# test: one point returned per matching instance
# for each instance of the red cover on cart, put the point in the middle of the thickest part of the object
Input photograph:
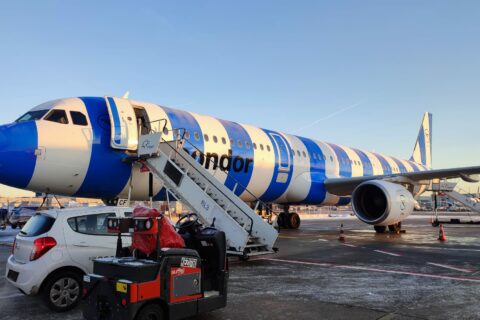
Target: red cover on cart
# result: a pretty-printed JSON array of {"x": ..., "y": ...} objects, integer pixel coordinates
[{"x": 146, "y": 241}]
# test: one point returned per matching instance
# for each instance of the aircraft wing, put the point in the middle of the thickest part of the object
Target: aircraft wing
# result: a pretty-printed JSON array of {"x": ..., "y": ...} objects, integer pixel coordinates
[{"x": 345, "y": 186}]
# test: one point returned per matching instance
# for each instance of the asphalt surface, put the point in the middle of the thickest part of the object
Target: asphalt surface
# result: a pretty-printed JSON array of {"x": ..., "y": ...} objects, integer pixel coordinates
[{"x": 315, "y": 276}]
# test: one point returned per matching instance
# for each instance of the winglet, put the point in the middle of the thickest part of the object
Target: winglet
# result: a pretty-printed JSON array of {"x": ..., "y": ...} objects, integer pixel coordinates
[
  {"x": 422, "y": 153},
  {"x": 125, "y": 96}
]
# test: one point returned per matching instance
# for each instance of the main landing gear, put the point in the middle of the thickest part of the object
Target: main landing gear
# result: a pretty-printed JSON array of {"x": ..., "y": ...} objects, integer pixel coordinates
[
  {"x": 393, "y": 228},
  {"x": 288, "y": 220}
]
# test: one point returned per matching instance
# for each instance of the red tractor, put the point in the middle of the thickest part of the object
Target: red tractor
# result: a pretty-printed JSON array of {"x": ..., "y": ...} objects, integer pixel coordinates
[{"x": 163, "y": 275}]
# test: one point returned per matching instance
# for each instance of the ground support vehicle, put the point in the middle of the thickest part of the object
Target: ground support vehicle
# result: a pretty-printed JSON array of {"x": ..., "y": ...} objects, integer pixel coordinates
[{"x": 158, "y": 282}]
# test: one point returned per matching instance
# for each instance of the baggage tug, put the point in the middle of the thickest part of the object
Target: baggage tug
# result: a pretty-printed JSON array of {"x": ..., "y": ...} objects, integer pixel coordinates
[{"x": 163, "y": 275}]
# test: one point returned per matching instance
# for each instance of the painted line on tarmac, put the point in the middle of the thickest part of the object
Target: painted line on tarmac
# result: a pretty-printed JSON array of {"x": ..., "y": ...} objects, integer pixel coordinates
[
  {"x": 15, "y": 295},
  {"x": 389, "y": 253},
  {"x": 442, "y": 248},
  {"x": 359, "y": 268},
  {"x": 350, "y": 245},
  {"x": 450, "y": 267}
]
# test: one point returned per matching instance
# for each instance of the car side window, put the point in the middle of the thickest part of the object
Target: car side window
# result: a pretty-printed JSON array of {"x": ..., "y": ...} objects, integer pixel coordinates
[
  {"x": 78, "y": 118},
  {"x": 59, "y": 116},
  {"x": 95, "y": 224}
]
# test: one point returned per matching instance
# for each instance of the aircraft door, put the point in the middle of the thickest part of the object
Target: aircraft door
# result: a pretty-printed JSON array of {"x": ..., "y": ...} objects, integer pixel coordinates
[
  {"x": 284, "y": 163},
  {"x": 124, "y": 134}
]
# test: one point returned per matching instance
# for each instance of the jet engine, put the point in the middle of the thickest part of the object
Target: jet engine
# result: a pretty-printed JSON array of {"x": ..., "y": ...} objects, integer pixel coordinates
[{"x": 382, "y": 203}]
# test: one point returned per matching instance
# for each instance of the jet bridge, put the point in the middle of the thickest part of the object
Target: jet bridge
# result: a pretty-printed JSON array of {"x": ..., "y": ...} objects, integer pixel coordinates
[{"x": 246, "y": 232}]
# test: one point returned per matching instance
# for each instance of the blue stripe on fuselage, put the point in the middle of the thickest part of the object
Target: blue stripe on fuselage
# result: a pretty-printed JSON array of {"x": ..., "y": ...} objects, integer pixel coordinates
[
  {"x": 366, "y": 163},
  {"x": 385, "y": 166},
  {"x": 400, "y": 165},
  {"x": 246, "y": 155},
  {"x": 18, "y": 142},
  {"x": 343, "y": 161},
  {"x": 317, "y": 192},
  {"x": 107, "y": 175},
  {"x": 183, "y": 120},
  {"x": 277, "y": 189}
]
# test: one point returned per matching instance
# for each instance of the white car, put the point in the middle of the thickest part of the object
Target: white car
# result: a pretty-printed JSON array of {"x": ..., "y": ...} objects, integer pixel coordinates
[{"x": 56, "y": 248}]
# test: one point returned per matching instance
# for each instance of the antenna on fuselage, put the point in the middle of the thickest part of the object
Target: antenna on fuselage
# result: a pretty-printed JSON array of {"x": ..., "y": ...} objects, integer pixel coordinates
[{"x": 125, "y": 96}]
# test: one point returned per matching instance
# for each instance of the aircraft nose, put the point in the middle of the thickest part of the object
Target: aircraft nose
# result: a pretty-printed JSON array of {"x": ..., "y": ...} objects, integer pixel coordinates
[{"x": 18, "y": 142}]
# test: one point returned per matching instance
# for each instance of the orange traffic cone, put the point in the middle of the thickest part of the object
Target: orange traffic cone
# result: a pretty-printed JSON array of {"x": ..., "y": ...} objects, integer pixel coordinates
[
  {"x": 441, "y": 234},
  {"x": 342, "y": 234}
]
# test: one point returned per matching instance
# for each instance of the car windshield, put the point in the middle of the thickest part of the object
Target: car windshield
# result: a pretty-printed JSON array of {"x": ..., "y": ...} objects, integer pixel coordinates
[
  {"x": 32, "y": 115},
  {"x": 37, "y": 225}
]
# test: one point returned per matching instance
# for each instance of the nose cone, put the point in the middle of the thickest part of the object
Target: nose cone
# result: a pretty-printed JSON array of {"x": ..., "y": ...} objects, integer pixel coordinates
[{"x": 18, "y": 142}]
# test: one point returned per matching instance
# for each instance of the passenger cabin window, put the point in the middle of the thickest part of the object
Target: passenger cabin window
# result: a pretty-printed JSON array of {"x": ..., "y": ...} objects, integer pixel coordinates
[
  {"x": 224, "y": 141},
  {"x": 247, "y": 145},
  {"x": 95, "y": 224},
  {"x": 215, "y": 139},
  {"x": 261, "y": 146},
  {"x": 187, "y": 135},
  {"x": 78, "y": 118},
  {"x": 59, "y": 116},
  {"x": 239, "y": 143},
  {"x": 304, "y": 154},
  {"x": 196, "y": 135},
  {"x": 254, "y": 146},
  {"x": 268, "y": 148},
  {"x": 205, "y": 136}
]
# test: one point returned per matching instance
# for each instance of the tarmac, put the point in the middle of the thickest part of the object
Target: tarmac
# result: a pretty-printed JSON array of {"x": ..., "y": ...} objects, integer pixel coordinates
[{"x": 316, "y": 276}]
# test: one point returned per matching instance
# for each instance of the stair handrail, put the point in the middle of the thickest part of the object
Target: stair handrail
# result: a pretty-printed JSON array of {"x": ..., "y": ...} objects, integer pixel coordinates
[{"x": 182, "y": 137}]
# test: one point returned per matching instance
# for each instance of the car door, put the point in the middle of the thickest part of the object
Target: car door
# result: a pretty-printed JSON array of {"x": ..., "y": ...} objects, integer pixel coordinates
[{"x": 87, "y": 237}]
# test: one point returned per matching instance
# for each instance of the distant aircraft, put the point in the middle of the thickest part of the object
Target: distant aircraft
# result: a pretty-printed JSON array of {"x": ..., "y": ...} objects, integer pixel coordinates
[{"x": 77, "y": 147}]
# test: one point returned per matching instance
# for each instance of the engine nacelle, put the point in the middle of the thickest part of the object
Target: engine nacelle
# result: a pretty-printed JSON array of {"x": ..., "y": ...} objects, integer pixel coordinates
[{"x": 382, "y": 203}]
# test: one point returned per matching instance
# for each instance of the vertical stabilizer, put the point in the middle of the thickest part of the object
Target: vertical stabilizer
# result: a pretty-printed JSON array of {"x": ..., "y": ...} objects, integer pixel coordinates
[{"x": 422, "y": 153}]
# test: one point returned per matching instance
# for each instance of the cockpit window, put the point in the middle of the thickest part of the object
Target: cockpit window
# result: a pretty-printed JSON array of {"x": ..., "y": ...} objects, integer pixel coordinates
[
  {"x": 78, "y": 118},
  {"x": 32, "y": 115},
  {"x": 59, "y": 116}
]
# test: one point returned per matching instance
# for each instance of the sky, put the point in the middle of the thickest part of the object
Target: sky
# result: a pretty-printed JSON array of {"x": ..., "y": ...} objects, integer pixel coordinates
[{"x": 357, "y": 73}]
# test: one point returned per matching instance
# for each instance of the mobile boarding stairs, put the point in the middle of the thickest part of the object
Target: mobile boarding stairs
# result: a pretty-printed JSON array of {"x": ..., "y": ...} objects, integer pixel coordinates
[{"x": 216, "y": 205}]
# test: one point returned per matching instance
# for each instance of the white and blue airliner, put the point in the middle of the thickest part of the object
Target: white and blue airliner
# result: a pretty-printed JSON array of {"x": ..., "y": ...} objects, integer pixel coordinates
[{"x": 77, "y": 147}]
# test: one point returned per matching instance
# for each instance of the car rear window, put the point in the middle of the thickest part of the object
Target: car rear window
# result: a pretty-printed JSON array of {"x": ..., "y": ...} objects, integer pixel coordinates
[{"x": 37, "y": 225}]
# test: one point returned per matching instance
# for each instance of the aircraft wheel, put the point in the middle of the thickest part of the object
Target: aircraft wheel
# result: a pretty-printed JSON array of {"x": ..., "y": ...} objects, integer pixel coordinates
[
  {"x": 294, "y": 220},
  {"x": 282, "y": 220},
  {"x": 380, "y": 229},
  {"x": 14, "y": 226},
  {"x": 397, "y": 227},
  {"x": 150, "y": 312}
]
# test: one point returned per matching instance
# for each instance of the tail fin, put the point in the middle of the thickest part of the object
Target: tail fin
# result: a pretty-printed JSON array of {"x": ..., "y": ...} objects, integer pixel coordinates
[{"x": 422, "y": 153}]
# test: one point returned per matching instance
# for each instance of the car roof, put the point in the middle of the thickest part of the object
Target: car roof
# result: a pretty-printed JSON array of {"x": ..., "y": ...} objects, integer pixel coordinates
[{"x": 74, "y": 211}]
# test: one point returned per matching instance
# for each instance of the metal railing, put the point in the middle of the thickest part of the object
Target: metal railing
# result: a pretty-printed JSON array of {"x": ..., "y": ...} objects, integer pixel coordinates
[{"x": 181, "y": 139}]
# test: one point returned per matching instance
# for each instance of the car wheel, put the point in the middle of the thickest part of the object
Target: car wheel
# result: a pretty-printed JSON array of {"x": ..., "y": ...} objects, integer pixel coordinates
[
  {"x": 63, "y": 291},
  {"x": 14, "y": 226},
  {"x": 150, "y": 312}
]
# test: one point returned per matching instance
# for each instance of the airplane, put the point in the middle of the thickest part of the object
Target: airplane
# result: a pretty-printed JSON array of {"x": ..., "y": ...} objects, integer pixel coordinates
[{"x": 79, "y": 147}]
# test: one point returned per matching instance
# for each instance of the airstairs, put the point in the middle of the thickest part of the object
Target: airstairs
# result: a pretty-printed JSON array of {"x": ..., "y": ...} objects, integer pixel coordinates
[
  {"x": 464, "y": 199},
  {"x": 189, "y": 182},
  {"x": 448, "y": 188}
]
